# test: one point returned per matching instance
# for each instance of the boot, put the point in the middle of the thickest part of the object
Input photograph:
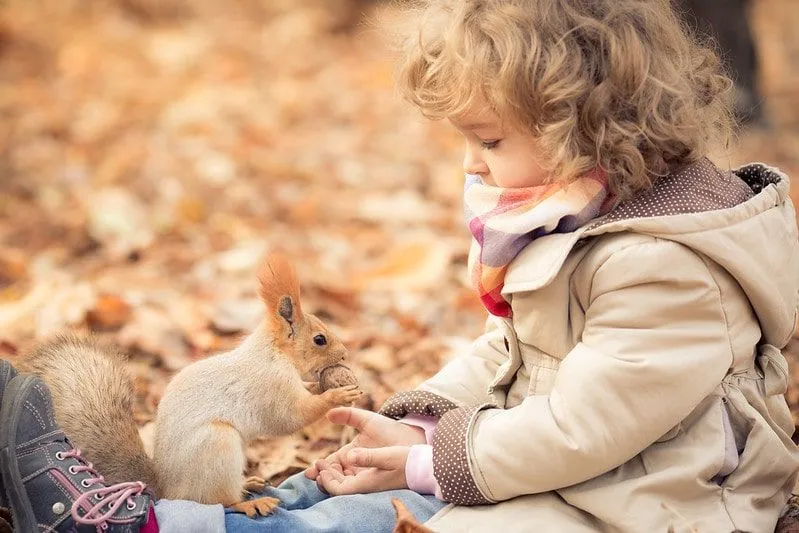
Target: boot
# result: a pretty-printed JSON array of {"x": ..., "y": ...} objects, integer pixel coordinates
[{"x": 48, "y": 485}]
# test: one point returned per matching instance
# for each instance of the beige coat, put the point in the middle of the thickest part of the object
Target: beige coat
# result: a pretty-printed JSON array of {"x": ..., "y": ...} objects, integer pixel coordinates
[{"x": 639, "y": 385}]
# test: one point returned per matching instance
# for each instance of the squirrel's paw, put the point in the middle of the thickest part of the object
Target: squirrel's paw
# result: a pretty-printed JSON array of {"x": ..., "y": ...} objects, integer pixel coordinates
[
  {"x": 312, "y": 387},
  {"x": 259, "y": 506},
  {"x": 254, "y": 484},
  {"x": 344, "y": 395}
]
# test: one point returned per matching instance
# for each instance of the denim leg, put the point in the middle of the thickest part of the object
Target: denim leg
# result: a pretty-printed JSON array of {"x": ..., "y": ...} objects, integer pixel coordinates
[{"x": 304, "y": 508}]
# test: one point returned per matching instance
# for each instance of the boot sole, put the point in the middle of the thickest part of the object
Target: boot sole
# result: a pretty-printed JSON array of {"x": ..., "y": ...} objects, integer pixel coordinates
[
  {"x": 21, "y": 510},
  {"x": 12, "y": 373}
]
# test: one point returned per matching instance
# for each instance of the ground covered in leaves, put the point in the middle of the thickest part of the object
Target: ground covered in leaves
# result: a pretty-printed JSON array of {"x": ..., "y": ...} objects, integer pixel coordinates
[{"x": 152, "y": 151}]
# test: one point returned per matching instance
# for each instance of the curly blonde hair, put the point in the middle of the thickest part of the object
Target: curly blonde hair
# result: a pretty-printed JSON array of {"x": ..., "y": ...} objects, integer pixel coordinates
[{"x": 619, "y": 84}]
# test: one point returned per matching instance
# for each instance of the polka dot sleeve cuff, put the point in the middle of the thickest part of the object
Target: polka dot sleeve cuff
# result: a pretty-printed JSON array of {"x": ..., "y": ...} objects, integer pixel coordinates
[
  {"x": 416, "y": 402},
  {"x": 451, "y": 457}
]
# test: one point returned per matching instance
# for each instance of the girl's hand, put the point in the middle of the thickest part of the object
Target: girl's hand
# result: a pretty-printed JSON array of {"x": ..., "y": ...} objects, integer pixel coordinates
[
  {"x": 372, "y": 470},
  {"x": 375, "y": 431}
]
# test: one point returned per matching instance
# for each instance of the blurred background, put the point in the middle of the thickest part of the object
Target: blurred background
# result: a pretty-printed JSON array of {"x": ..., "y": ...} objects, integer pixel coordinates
[{"x": 152, "y": 150}]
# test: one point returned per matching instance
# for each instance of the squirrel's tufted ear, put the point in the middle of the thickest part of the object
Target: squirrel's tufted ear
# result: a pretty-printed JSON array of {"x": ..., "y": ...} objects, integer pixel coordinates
[{"x": 280, "y": 291}]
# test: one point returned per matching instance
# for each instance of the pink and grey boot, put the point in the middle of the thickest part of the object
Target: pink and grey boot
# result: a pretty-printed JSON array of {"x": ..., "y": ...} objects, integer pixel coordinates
[{"x": 48, "y": 485}]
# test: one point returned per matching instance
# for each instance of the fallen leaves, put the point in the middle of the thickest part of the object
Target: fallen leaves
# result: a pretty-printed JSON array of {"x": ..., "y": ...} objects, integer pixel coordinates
[
  {"x": 152, "y": 151},
  {"x": 271, "y": 457}
]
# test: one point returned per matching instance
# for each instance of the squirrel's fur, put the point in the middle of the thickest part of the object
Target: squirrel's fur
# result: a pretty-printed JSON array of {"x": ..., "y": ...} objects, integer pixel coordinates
[
  {"x": 93, "y": 402},
  {"x": 209, "y": 410}
]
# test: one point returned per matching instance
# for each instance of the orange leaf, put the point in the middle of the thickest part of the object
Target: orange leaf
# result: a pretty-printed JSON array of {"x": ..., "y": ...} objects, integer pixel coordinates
[
  {"x": 406, "y": 522},
  {"x": 110, "y": 312}
]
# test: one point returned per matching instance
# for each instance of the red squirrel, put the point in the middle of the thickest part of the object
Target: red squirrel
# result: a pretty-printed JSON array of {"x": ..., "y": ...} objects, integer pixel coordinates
[{"x": 209, "y": 410}]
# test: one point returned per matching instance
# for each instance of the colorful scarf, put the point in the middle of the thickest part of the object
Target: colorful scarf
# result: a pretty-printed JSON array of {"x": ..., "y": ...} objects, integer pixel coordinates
[{"x": 504, "y": 221}]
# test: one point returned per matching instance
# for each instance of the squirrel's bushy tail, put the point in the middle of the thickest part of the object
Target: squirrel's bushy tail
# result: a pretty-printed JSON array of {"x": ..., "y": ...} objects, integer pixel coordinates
[{"x": 93, "y": 401}]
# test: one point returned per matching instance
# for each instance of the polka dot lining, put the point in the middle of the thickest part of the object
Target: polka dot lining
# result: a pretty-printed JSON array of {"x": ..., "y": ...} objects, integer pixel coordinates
[
  {"x": 451, "y": 460},
  {"x": 697, "y": 188},
  {"x": 758, "y": 176},
  {"x": 416, "y": 402}
]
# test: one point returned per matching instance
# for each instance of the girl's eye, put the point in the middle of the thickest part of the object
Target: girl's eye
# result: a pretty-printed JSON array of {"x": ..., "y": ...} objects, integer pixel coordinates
[
  {"x": 489, "y": 145},
  {"x": 320, "y": 340}
]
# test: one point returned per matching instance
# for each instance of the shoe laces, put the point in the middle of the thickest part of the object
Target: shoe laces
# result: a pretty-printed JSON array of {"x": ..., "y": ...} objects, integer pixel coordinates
[{"x": 112, "y": 496}]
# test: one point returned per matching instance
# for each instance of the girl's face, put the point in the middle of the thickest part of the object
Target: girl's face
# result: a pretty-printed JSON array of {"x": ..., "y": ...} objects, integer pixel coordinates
[{"x": 501, "y": 156}]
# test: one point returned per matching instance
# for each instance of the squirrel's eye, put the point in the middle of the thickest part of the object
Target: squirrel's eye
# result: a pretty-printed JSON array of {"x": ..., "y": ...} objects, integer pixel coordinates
[{"x": 320, "y": 340}]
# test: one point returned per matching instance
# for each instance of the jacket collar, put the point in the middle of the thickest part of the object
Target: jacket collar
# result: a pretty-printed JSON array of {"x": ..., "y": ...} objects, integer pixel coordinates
[{"x": 694, "y": 198}]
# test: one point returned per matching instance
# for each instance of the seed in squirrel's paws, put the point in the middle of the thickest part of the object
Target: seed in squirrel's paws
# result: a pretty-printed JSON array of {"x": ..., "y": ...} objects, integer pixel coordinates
[{"x": 336, "y": 376}]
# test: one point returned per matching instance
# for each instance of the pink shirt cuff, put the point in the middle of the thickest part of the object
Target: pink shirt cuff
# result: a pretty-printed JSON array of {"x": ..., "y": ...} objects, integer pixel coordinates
[
  {"x": 427, "y": 423},
  {"x": 419, "y": 471}
]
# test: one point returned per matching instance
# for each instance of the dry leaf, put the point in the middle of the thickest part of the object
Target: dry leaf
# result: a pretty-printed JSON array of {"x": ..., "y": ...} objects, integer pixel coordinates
[
  {"x": 6, "y": 520},
  {"x": 13, "y": 266},
  {"x": 151, "y": 331},
  {"x": 274, "y": 456},
  {"x": 232, "y": 316},
  {"x": 413, "y": 265},
  {"x": 406, "y": 522},
  {"x": 380, "y": 358},
  {"x": 109, "y": 312},
  {"x": 119, "y": 221},
  {"x": 66, "y": 306}
]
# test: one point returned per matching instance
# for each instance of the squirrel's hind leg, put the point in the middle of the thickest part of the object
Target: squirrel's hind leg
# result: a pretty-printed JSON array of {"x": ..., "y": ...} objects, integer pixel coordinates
[
  {"x": 227, "y": 461},
  {"x": 213, "y": 463},
  {"x": 262, "y": 506}
]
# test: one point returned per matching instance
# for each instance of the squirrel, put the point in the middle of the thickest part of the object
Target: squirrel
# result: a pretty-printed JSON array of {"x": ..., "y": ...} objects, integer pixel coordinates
[{"x": 209, "y": 410}]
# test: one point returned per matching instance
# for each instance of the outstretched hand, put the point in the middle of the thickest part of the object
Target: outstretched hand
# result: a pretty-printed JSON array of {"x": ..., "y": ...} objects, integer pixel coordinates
[
  {"x": 366, "y": 470},
  {"x": 374, "y": 431}
]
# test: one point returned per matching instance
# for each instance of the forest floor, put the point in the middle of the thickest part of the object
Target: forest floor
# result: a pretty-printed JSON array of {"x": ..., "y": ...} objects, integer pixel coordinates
[{"x": 149, "y": 156}]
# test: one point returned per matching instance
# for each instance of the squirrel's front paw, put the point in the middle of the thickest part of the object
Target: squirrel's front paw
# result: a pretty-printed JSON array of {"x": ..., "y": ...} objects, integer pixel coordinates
[
  {"x": 312, "y": 387},
  {"x": 343, "y": 395}
]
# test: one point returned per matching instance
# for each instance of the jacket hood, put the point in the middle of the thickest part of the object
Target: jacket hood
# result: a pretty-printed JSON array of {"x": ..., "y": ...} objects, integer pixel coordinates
[{"x": 741, "y": 219}]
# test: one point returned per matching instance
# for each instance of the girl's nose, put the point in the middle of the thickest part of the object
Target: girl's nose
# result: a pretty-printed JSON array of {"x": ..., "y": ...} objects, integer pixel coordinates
[{"x": 472, "y": 162}]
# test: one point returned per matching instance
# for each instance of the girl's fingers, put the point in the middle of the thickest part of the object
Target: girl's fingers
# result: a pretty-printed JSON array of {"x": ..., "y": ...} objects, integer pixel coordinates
[
  {"x": 320, "y": 485},
  {"x": 313, "y": 471},
  {"x": 390, "y": 458},
  {"x": 318, "y": 466},
  {"x": 354, "y": 417},
  {"x": 336, "y": 483},
  {"x": 324, "y": 482},
  {"x": 330, "y": 479}
]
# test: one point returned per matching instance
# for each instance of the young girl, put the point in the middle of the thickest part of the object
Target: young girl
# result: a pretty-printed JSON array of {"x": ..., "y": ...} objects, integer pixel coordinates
[{"x": 630, "y": 377}]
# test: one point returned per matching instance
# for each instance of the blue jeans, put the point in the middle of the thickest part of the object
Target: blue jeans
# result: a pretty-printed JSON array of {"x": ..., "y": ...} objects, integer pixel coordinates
[{"x": 304, "y": 508}]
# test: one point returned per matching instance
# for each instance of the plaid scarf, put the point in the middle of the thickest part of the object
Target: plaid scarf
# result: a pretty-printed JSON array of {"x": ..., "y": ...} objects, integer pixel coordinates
[{"x": 504, "y": 221}]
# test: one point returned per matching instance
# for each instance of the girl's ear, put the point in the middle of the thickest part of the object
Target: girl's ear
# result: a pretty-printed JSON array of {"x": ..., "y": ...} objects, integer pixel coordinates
[{"x": 280, "y": 291}]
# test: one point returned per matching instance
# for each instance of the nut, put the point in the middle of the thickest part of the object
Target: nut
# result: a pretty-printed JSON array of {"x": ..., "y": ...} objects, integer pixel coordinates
[{"x": 335, "y": 376}]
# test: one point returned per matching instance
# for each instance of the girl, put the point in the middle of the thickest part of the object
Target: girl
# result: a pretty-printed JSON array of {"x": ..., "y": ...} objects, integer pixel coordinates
[{"x": 630, "y": 377}]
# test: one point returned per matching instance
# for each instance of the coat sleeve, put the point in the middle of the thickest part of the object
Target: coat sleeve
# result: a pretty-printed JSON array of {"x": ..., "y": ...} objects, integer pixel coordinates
[
  {"x": 655, "y": 343},
  {"x": 463, "y": 382}
]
